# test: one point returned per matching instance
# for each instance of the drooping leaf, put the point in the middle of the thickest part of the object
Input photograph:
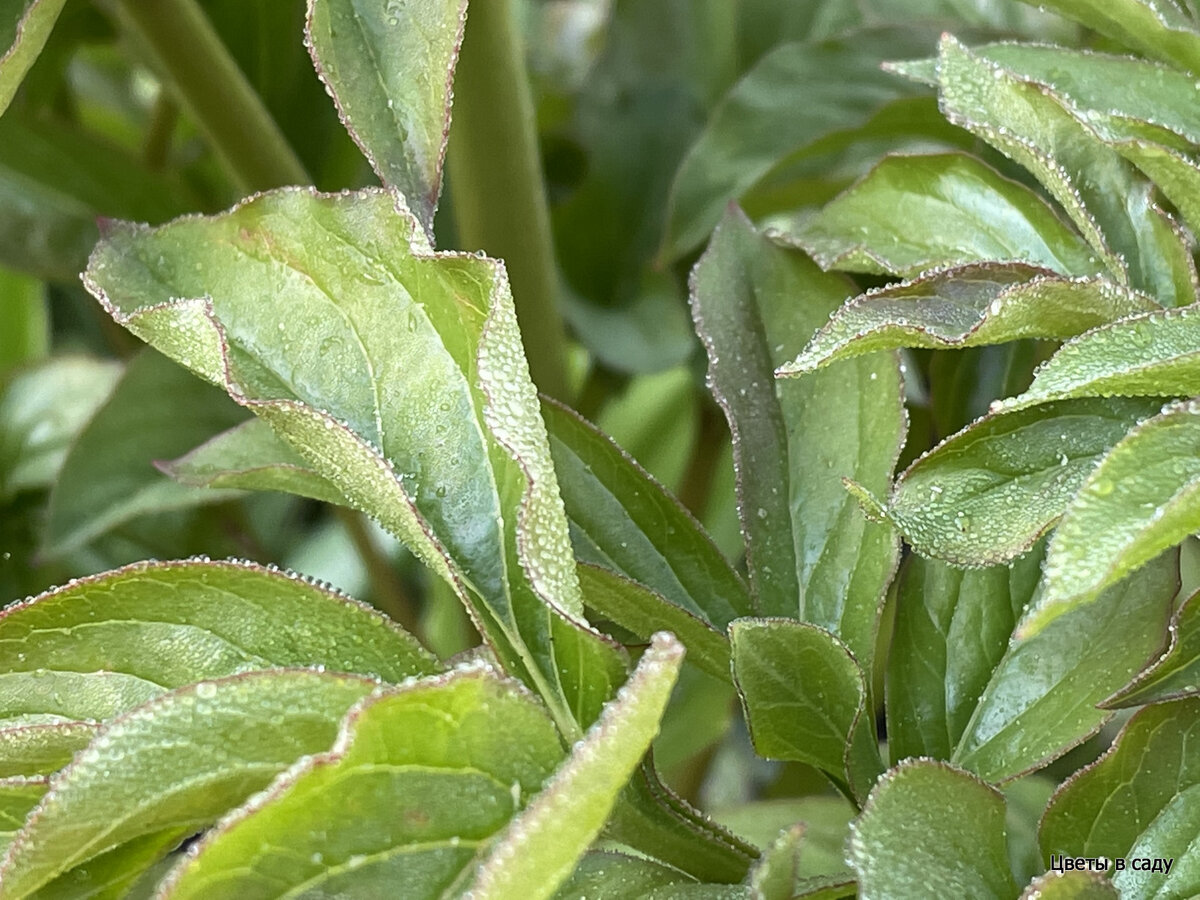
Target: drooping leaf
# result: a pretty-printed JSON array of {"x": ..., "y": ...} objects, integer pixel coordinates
[
  {"x": 1042, "y": 698},
  {"x": 420, "y": 779},
  {"x": 910, "y": 214},
  {"x": 42, "y": 409},
  {"x": 624, "y": 520},
  {"x": 931, "y": 830},
  {"x": 156, "y": 411},
  {"x": 758, "y": 123},
  {"x": 1109, "y": 201},
  {"x": 988, "y": 493},
  {"x": 390, "y": 68},
  {"x": 114, "y": 640},
  {"x": 952, "y": 629},
  {"x": 1172, "y": 836},
  {"x": 1158, "y": 28},
  {"x": 1075, "y": 885},
  {"x": 398, "y": 373},
  {"x": 1104, "y": 808},
  {"x": 967, "y": 307},
  {"x": 1143, "y": 497},
  {"x": 539, "y": 848},
  {"x": 179, "y": 762},
  {"x": 24, "y": 27},
  {"x": 804, "y": 697},
  {"x": 810, "y": 553},
  {"x": 1176, "y": 673},
  {"x": 1148, "y": 355}
]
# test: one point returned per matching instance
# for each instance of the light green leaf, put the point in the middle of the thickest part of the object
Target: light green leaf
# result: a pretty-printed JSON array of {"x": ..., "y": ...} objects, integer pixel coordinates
[
  {"x": 1176, "y": 673},
  {"x": 1154, "y": 354},
  {"x": 1107, "y": 806},
  {"x": 390, "y": 69},
  {"x": 539, "y": 848},
  {"x": 156, "y": 411},
  {"x": 252, "y": 457},
  {"x": 642, "y": 612},
  {"x": 952, "y": 629},
  {"x": 967, "y": 307},
  {"x": 1174, "y": 835},
  {"x": 179, "y": 762},
  {"x": 1042, "y": 698},
  {"x": 1157, "y": 28},
  {"x": 626, "y": 521},
  {"x": 914, "y": 213},
  {"x": 758, "y": 123},
  {"x": 826, "y": 820},
  {"x": 986, "y": 494},
  {"x": 929, "y": 830},
  {"x": 779, "y": 874},
  {"x": 24, "y": 27},
  {"x": 1143, "y": 497},
  {"x": 24, "y": 308},
  {"x": 17, "y": 797},
  {"x": 398, "y": 373},
  {"x": 420, "y": 779},
  {"x": 605, "y": 875},
  {"x": 1109, "y": 201},
  {"x": 33, "y": 750},
  {"x": 804, "y": 697},
  {"x": 811, "y": 555},
  {"x": 113, "y": 640},
  {"x": 1077, "y": 885},
  {"x": 42, "y": 409}
]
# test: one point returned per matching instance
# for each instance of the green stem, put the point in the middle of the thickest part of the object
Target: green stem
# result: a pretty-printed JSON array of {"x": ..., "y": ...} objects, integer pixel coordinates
[
  {"x": 187, "y": 51},
  {"x": 495, "y": 182}
]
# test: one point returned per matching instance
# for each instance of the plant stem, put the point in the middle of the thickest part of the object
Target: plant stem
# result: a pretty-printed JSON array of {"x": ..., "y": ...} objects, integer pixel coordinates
[
  {"x": 187, "y": 51},
  {"x": 496, "y": 186}
]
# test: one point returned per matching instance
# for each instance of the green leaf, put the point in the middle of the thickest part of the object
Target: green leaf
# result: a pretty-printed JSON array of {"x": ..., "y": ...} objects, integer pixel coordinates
[
  {"x": 1109, "y": 201},
  {"x": 929, "y": 830},
  {"x": 1154, "y": 354},
  {"x": 986, "y": 494},
  {"x": 1176, "y": 673},
  {"x": 1077, "y": 885},
  {"x": 1157, "y": 28},
  {"x": 952, "y": 629},
  {"x": 615, "y": 876},
  {"x": 157, "y": 410},
  {"x": 539, "y": 848},
  {"x": 810, "y": 553},
  {"x": 1173, "y": 836},
  {"x": 113, "y": 640},
  {"x": 420, "y": 779},
  {"x": 1042, "y": 698},
  {"x": 42, "y": 409},
  {"x": 642, "y": 612},
  {"x": 779, "y": 874},
  {"x": 967, "y": 307},
  {"x": 24, "y": 27},
  {"x": 180, "y": 762},
  {"x": 626, "y": 521},
  {"x": 826, "y": 820},
  {"x": 1142, "y": 498},
  {"x": 398, "y": 373},
  {"x": 17, "y": 797},
  {"x": 389, "y": 69},
  {"x": 33, "y": 750},
  {"x": 1108, "y": 805},
  {"x": 804, "y": 697},
  {"x": 24, "y": 308},
  {"x": 758, "y": 123},
  {"x": 914, "y": 213}
]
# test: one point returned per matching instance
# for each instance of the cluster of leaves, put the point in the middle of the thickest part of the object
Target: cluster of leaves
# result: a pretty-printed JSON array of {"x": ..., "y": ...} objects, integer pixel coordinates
[{"x": 202, "y": 728}]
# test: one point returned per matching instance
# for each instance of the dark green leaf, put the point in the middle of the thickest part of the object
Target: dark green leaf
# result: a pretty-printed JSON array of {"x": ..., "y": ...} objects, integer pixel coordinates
[
  {"x": 1177, "y": 672},
  {"x": 156, "y": 411},
  {"x": 929, "y": 830},
  {"x": 26, "y": 316},
  {"x": 989, "y": 492},
  {"x": 810, "y": 553},
  {"x": 952, "y": 628},
  {"x": 1042, "y": 698},
  {"x": 1173, "y": 836},
  {"x": 913, "y": 213},
  {"x": 180, "y": 762},
  {"x": 1105, "y": 808},
  {"x": 623, "y": 519},
  {"x": 24, "y": 27},
  {"x": 390, "y": 70},
  {"x": 967, "y": 307},
  {"x": 804, "y": 697}
]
